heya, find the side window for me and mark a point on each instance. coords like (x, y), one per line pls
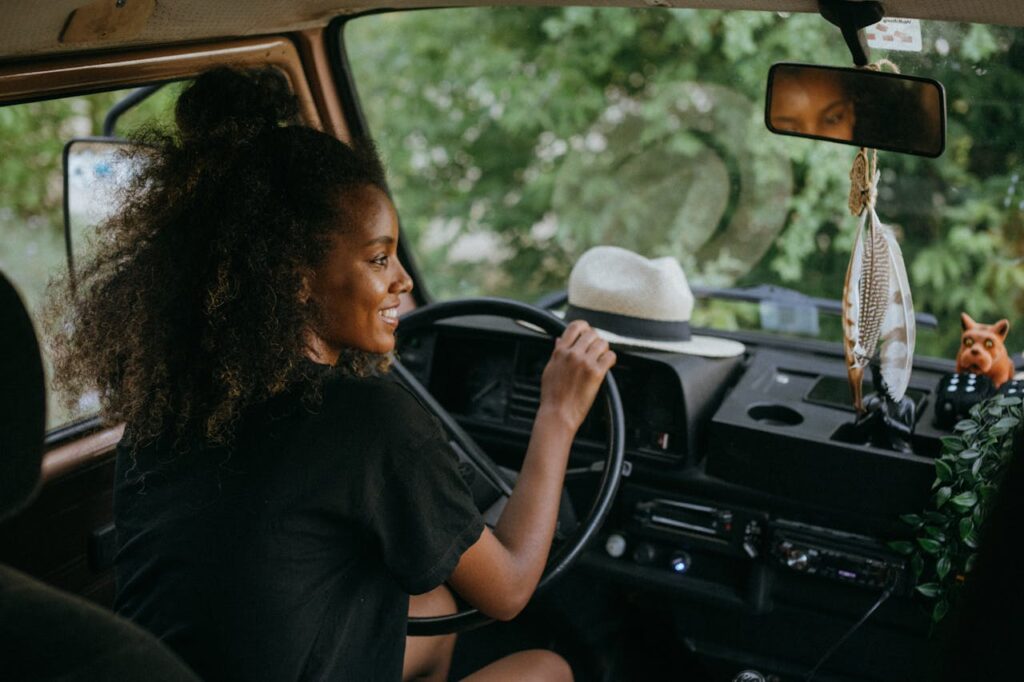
(32, 246)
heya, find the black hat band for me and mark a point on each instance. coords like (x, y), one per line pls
(627, 325)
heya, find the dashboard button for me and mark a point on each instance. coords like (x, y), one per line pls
(615, 545)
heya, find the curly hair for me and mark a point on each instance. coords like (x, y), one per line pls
(189, 310)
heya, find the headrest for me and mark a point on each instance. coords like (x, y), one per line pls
(22, 403)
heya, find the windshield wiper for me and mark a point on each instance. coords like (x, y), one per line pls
(756, 294)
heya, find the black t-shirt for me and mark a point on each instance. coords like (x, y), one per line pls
(291, 557)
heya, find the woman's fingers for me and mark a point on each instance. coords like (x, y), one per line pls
(597, 345)
(572, 333)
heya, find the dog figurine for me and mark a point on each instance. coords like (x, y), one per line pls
(982, 350)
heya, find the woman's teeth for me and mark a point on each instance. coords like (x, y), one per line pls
(390, 315)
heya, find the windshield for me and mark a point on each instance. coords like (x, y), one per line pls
(516, 138)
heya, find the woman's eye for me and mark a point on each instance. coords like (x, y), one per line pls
(834, 119)
(382, 261)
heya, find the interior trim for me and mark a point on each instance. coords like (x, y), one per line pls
(313, 50)
(34, 28)
(54, 78)
(75, 455)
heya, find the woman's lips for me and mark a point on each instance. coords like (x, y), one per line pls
(389, 315)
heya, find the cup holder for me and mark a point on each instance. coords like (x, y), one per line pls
(775, 415)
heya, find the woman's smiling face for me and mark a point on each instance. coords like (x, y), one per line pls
(357, 286)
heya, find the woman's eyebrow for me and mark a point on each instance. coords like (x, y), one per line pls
(385, 239)
(837, 103)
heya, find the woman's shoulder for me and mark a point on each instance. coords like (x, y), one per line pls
(375, 397)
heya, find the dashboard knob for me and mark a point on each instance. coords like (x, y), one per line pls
(645, 553)
(615, 545)
(680, 562)
(797, 559)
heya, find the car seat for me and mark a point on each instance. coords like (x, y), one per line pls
(46, 634)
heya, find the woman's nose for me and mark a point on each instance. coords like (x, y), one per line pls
(402, 283)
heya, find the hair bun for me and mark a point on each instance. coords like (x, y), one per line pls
(234, 105)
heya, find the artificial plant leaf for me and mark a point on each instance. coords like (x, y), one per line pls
(952, 444)
(935, 533)
(969, 564)
(942, 496)
(966, 527)
(912, 520)
(942, 566)
(917, 565)
(943, 472)
(929, 545)
(940, 610)
(976, 467)
(969, 453)
(972, 539)
(965, 500)
(901, 546)
(929, 590)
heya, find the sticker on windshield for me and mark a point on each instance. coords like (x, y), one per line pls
(788, 318)
(895, 34)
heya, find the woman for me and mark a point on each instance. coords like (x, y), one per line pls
(278, 496)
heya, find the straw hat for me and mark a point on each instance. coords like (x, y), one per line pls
(634, 301)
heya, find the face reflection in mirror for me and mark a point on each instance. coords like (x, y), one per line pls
(812, 103)
(863, 107)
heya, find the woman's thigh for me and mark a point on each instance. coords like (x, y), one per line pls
(428, 659)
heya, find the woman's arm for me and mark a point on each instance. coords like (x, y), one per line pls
(499, 572)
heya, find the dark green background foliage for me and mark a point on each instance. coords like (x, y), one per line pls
(485, 117)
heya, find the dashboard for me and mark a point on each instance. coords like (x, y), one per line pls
(750, 491)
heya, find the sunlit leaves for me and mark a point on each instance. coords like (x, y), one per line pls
(979, 44)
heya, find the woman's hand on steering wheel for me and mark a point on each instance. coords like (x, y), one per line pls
(574, 373)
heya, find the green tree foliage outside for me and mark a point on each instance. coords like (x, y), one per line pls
(518, 137)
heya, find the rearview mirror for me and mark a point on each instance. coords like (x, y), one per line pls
(865, 108)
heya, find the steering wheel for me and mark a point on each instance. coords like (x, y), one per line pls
(560, 561)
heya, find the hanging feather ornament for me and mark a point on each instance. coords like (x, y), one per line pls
(877, 305)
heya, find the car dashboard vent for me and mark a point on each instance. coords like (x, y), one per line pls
(524, 400)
